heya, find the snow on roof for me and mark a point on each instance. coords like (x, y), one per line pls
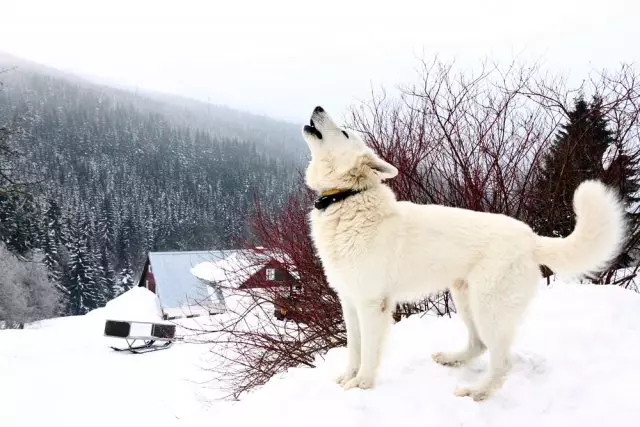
(235, 269)
(221, 269)
(175, 285)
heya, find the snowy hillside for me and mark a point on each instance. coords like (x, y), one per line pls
(62, 372)
(576, 363)
(126, 173)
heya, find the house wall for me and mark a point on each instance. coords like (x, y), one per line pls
(147, 280)
(260, 279)
(150, 281)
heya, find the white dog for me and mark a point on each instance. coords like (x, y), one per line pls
(377, 251)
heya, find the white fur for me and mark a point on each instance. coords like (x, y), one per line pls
(377, 251)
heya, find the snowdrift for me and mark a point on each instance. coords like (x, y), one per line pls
(61, 372)
(576, 363)
(137, 304)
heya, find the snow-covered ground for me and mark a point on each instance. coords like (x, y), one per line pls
(576, 363)
(61, 372)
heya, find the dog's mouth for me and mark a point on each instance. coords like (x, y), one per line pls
(311, 129)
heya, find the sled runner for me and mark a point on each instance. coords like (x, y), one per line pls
(154, 336)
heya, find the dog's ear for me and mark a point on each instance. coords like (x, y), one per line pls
(383, 169)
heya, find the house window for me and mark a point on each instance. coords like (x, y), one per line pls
(271, 274)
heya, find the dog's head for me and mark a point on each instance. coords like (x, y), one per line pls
(339, 158)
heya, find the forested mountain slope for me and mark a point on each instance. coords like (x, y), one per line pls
(118, 174)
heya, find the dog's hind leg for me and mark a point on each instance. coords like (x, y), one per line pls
(375, 319)
(351, 322)
(475, 346)
(498, 297)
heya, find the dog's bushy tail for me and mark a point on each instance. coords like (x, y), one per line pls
(597, 238)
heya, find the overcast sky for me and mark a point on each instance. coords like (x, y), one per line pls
(281, 58)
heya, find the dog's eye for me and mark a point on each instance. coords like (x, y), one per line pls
(345, 134)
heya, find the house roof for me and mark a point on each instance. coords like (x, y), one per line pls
(236, 268)
(232, 270)
(175, 285)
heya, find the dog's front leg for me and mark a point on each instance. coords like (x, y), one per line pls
(375, 318)
(351, 322)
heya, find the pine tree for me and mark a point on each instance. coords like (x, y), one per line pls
(18, 207)
(28, 222)
(105, 277)
(575, 156)
(105, 232)
(125, 246)
(8, 158)
(8, 225)
(51, 239)
(126, 280)
(84, 291)
(18, 222)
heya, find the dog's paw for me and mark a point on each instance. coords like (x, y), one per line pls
(347, 376)
(447, 359)
(359, 382)
(477, 395)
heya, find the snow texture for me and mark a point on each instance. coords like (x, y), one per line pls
(576, 363)
(138, 304)
(236, 268)
(231, 271)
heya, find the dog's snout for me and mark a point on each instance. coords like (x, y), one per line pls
(319, 123)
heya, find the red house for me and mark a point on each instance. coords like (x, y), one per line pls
(254, 270)
(191, 283)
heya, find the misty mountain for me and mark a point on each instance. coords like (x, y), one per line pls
(272, 136)
(115, 174)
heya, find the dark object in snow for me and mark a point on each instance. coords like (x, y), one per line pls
(147, 332)
(290, 309)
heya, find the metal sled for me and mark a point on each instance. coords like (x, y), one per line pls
(147, 332)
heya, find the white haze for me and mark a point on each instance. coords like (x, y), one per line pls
(281, 58)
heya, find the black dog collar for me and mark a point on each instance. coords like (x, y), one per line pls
(329, 198)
